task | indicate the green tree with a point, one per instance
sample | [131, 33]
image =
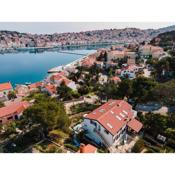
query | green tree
[84, 89]
[1, 104]
[154, 124]
[125, 88]
[142, 88]
[66, 93]
[139, 146]
[11, 95]
[165, 92]
[10, 128]
[49, 113]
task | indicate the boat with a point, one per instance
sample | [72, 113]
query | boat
[28, 83]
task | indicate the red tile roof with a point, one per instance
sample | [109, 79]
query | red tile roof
[16, 107]
[35, 85]
[89, 61]
[51, 88]
[135, 125]
[87, 148]
[113, 115]
[5, 86]
[61, 78]
[116, 79]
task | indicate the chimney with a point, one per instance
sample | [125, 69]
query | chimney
[82, 148]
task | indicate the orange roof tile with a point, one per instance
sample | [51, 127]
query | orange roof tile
[51, 88]
[5, 86]
[87, 148]
[16, 107]
[35, 85]
[135, 125]
[116, 79]
[112, 115]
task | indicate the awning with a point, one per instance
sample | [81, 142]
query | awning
[135, 125]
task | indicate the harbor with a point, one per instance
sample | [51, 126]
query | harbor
[32, 67]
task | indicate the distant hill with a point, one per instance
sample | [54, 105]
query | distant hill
[13, 39]
[165, 40]
[166, 29]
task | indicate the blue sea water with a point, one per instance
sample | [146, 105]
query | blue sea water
[22, 67]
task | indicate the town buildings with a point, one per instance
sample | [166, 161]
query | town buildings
[149, 50]
[13, 111]
[58, 79]
[130, 71]
[5, 88]
[109, 124]
[115, 79]
[35, 86]
[22, 90]
[50, 89]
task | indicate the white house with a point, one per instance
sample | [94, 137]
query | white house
[129, 71]
[149, 50]
[5, 88]
[108, 124]
[13, 111]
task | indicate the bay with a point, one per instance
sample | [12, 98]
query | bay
[22, 67]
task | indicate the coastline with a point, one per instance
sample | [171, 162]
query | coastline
[56, 48]
[71, 64]
[78, 57]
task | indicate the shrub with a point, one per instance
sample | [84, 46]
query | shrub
[72, 147]
[149, 150]
[139, 146]
[57, 134]
[171, 143]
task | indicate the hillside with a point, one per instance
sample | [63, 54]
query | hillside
[165, 40]
[13, 39]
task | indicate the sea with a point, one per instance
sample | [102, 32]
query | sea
[27, 66]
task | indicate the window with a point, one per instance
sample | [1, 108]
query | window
[9, 118]
[0, 121]
[93, 123]
[16, 117]
[123, 131]
[107, 132]
[116, 137]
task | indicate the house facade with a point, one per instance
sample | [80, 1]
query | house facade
[149, 50]
[50, 89]
[58, 79]
[5, 88]
[108, 124]
[22, 90]
[13, 111]
[130, 71]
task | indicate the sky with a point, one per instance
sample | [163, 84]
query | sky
[60, 27]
